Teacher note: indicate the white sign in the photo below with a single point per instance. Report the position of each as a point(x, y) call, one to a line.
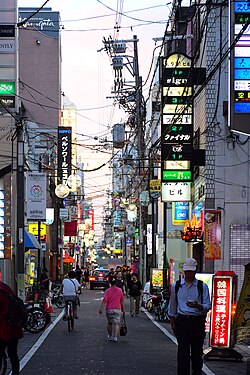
point(36, 196)
point(176, 191)
point(50, 216)
point(64, 214)
point(149, 239)
point(7, 45)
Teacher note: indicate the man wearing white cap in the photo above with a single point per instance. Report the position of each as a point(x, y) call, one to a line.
point(188, 306)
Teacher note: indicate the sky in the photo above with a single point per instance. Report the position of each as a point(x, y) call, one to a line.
point(87, 74)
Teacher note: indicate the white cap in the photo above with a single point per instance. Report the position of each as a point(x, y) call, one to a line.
point(190, 264)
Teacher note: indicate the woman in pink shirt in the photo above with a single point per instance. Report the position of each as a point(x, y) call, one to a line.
point(113, 298)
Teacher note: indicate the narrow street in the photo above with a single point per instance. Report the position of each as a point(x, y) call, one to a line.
point(147, 349)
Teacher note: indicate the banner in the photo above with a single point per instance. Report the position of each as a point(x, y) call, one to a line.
point(241, 322)
point(36, 196)
point(212, 234)
point(70, 228)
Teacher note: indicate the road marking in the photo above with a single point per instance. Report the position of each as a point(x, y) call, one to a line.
point(39, 342)
point(205, 369)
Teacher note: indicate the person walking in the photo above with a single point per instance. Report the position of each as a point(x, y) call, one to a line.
point(9, 335)
point(134, 292)
point(188, 307)
point(70, 287)
point(114, 301)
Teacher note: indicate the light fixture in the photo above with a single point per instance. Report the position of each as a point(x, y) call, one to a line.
point(192, 231)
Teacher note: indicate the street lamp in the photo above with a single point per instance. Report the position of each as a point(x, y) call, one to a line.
point(72, 184)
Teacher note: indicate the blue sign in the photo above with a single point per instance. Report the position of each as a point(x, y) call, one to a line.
point(242, 62)
point(242, 107)
point(180, 211)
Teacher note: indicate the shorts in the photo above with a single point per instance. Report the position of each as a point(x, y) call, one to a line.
point(113, 315)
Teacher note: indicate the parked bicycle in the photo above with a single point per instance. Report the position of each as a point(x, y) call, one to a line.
point(57, 296)
point(37, 319)
point(157, 305)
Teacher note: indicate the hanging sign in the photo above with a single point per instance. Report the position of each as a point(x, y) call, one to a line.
point(36, 196)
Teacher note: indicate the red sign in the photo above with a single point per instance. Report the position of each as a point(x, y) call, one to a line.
point(70, 228)
point(221, 311)
point(212, 234)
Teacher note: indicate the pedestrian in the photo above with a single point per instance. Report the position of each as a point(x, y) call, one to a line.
point(114, 301)
point(9, 335)
point(86, 276)
point(70, 288)
point(120, 282)
point(188, 307)
point(44, 282)
point(78, 272)
point(134, 291)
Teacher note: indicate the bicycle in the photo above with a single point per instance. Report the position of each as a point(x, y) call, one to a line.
point(37, 319)
point(70, 317)
point(152, 304)
point(163, 307)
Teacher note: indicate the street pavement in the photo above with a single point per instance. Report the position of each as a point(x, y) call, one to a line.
point(149, 348)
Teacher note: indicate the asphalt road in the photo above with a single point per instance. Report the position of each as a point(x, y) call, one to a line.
point(148, 349)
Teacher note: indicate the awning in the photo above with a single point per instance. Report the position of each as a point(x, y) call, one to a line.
point(30, 241)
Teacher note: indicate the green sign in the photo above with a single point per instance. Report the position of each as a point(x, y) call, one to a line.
point(172, 175)
point(7, 88)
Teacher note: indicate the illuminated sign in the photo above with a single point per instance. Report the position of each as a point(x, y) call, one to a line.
point(169, 175)
point(180, 212)
point(7, 101)
point(64, 153)
point(176, 191)
point(177, 117)
point(239, 81)
point(2, 223)
point(7, 88)
point(221, 311)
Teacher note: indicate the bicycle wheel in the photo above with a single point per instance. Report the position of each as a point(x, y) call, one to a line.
point(3, 365)
point(37, 320)
point(149, 305)
point(70, 318)
point(59, 302)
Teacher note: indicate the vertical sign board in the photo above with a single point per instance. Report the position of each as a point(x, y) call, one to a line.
point(64, 153)
point(239, 81)
point(176, 117)
point(36, 196)
point(212, 234)
point(221, 311)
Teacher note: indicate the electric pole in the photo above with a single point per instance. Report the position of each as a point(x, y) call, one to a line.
point(20, 246)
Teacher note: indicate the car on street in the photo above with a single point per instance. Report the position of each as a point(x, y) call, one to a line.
point(99, 279)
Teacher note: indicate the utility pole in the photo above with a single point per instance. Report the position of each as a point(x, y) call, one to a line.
point(141, 149)
point(20, 246)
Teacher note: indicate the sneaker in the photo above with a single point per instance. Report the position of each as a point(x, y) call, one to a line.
point(132, 314)
point(64, 317)
point(76, 317)
point(110, 338)
point(115, 339)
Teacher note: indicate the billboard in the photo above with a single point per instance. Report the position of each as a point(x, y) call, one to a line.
point(64, 153)
point(36, 196)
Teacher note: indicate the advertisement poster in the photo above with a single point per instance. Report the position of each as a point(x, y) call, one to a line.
point(157, 278)
point(241, 321)
point(212, 234)
point(36, 196)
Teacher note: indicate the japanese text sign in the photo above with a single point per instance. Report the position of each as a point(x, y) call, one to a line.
point(221, 311)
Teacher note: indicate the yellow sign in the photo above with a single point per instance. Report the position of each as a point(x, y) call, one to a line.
point(155, 186)
point(33, 228)
point(118, 251)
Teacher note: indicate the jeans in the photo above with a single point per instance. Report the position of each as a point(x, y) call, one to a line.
point(190, 334)
point(11, 346)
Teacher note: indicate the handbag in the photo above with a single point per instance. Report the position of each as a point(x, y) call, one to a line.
point(123, 326)
point(77, 297)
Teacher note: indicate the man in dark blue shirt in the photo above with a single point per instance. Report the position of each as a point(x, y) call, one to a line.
point(187, 309)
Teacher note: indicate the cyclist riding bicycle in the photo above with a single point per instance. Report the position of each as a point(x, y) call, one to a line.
point(70, 287)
